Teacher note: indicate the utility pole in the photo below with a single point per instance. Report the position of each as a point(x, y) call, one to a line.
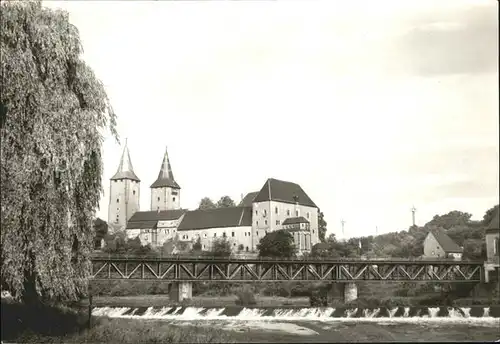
point(342, 222)
point(413, 210)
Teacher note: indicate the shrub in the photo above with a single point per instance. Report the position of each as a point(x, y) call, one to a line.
point(245, 297)
point(18, 318)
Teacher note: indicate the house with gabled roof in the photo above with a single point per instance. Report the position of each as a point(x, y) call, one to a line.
point(277, 205)
point(493, 240)
point(438, 244)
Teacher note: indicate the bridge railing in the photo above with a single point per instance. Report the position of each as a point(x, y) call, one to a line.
point(158, 256)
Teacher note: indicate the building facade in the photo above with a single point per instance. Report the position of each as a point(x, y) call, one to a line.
point(277, 205)
point(438, 244)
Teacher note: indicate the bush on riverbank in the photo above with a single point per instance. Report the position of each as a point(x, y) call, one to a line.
point(18, 319)
point(245, 297)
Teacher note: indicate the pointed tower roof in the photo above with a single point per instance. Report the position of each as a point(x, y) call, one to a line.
point(165, 177)
point(125, 168)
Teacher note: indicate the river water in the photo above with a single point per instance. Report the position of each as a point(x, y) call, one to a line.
point(328, 324)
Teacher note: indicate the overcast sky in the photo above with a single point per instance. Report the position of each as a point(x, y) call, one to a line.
point(371, 106)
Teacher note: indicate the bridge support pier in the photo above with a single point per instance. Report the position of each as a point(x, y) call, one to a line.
point(350, 292)
point(181, 291)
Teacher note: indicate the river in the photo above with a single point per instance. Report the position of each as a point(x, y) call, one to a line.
point(289, 325)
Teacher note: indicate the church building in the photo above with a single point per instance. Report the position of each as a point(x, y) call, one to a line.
point(277, 205)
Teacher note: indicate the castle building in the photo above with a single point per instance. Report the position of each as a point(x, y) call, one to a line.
point(277, 205)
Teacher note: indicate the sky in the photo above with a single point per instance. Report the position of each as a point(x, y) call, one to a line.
point(371, 106)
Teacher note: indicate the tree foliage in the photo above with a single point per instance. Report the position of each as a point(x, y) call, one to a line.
point(490, 215)
point(206, 203)
point(118, 243)
point(321, 226)
point(409, 244)
point(277, 244)
point(51, 159)
point(100, 231)
point(221, 248)
point(225, 202)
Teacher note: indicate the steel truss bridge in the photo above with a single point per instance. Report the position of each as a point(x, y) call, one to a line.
point(198, 269)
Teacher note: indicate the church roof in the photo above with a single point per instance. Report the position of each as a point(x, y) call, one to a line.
point(166, 176)
point(248, 199)
point(282, 191)
point(295, 220)
point(447, 243)
point(216, 218)
point(149, 219)
point(125, 168)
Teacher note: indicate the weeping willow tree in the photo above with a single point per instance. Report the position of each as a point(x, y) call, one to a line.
point(51, 161)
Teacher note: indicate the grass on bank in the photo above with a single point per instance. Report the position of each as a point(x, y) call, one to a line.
point(51, 324)
point(128, 331)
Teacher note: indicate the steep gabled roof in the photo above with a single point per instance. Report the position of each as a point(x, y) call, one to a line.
point(216, 218)
point(495, 221)
point(282, 191)
point(163, 215)
point(295, 220)
point(166, 176)
point(125, 168)
point(248, 199)
point(447, 243)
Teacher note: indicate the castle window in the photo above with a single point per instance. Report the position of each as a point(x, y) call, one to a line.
point(256, 212)
point(296, 213)
point(313, 231)
point(158, 199)
point(276, 210)
point(288, 212)
point(257, 223)
point(307, 214)
point(173, 199)
point(224, 234)
point(265, 212)
point(265, 222)
point(215, 235)
point(245, 233)
point(133, 192)
point(246, 248)
point(277, 222)
point(203, 246)
point(117, 200)
point(234, 244)
point(204, 235)
point(232, 234)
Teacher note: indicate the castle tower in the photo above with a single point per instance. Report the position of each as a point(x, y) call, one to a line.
point(124, 192)
point(165, 192)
